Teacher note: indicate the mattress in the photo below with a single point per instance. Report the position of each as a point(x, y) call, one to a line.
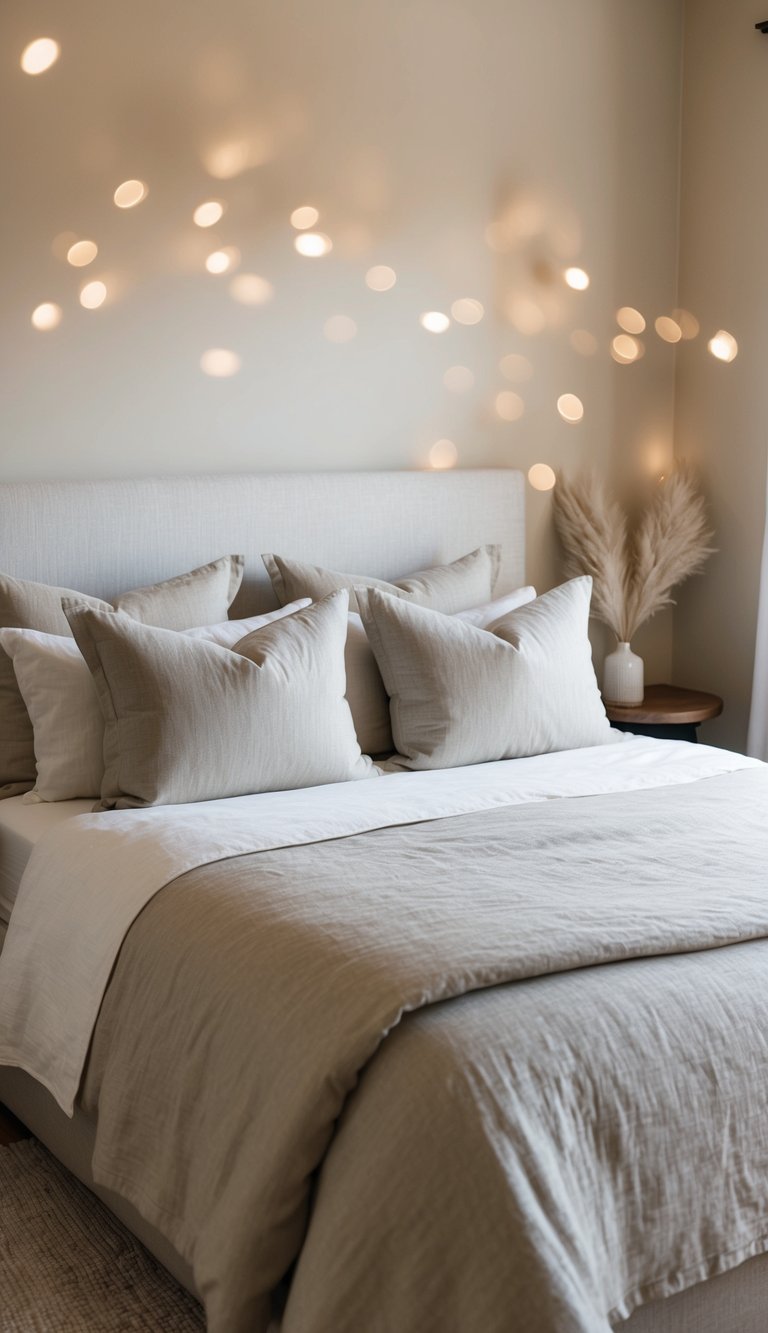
point(21, 826)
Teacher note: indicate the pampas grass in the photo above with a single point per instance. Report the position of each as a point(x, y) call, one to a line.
point(633, 571)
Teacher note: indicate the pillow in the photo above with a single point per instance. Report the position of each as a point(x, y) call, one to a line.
point(367, 697)
point(460, 695)
point(60, 697)
point(449, 588)
point(201, 597)
point(191, 721)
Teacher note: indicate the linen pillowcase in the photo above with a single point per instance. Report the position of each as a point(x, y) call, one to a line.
point(58, 691)
point(191, 721)
point(367, 696)
point(200, 597)
point(460, 695)
point(449, 588)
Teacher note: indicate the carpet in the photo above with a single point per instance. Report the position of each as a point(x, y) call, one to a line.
point(68, 1266)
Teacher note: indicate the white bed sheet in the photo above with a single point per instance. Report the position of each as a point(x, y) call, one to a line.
point(87, 882)
point(21, 828)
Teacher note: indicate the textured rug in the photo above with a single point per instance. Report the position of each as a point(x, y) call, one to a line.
point(68, 1266)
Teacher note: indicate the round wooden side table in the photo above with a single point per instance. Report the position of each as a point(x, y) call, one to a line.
point(667, 711)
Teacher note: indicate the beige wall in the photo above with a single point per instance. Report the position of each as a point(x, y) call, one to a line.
point(412, 127)
point(722, 410)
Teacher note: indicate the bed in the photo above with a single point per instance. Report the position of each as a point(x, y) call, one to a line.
point(395, 1110)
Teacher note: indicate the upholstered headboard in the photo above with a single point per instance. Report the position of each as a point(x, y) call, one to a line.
point(102, 537)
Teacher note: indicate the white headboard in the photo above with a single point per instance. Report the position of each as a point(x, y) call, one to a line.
point(102, 537)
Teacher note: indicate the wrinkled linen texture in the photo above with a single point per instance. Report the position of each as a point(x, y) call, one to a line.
point(502, 1133)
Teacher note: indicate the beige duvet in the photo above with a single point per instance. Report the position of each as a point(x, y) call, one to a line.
point(506, 1071)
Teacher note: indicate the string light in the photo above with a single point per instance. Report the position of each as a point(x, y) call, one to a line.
point(629, 319)
point(92, 295)
point(723, 346)
point(625, 349)
point(208, 214)
point(220, 363)
point(250, 289)
point(509, 405)
point(130, 193)
point(668, 329)
point(82, 253)
point(380, 278)
point(313, 244)
point(443, 454)
point(305, 217)
point(46, 316)
point(40, 55)
point(541, 477)
point(434, 321)
point(577, 279)
point(221, 261)
point(467, 311)
point(570, 407)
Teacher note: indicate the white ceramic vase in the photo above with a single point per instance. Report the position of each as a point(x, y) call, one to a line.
point(623, 676)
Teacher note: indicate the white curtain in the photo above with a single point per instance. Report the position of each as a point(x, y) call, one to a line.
point(757, 739)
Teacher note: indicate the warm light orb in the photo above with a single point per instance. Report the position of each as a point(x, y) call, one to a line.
point(516, 368)
point(250, 289)
point(629, 319)
point(526, 315)
point(40, 55)
point(541, 477)
point(225, 160)
point(467, 311)
point(92, 295)
point(208, 214)
point(577, 279)
point(570, 407)
point(82, 253)
point(221, 261)
point(305, 217)
point(583, 342)
point(46, 316)
point(668, 329)
point(339, 329)
point(509, 405)
point(313, 244)
point(625, 349)
point(689, 325)
point(220, 363)
point(723, 346)
point(380, 278)
point(443, 454)
point(459, 379)
point(434, 321)
point(130, 193)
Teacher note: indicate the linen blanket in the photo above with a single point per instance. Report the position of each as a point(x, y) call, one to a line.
point(520, 1058)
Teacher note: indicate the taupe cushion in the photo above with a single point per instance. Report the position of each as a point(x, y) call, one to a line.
point(462, 695)
point(449, 588)
point(201, 597)
point(187, 720)
point(466, 583)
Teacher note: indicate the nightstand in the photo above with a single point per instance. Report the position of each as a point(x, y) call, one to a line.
point(667, 712)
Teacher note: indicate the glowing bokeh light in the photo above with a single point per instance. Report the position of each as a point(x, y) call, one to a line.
point(380, 278)
point(434, 321)
point(220, 363)
point(82, 253)
point(467, 311)
point(223, 261)
point(443, 454)
point(313, 244)
point(630, 320)
point(208, 213)
point(40, 55)
point(570, 407)
point(228, 159)
point(541, 477)
point(689, 325)
point(516, 368)
point(583, 342)
point(93, 294)
point(509, 405)
point(526, 315)
point(46, 316)
point(625, 349)
point(668, 329)
point(339, 329)
point(577, 279)
point(305, 217)
point(130, 193)
point(459, 379)
point(723, 346)
point(250, 289)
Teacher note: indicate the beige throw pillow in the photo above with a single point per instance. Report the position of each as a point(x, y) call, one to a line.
point(187, 720)
point(201, 597)
point(461, 695)
point(449, 588)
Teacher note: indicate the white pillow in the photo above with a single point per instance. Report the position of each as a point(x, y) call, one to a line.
point(67, 721)
point(366, 695)
point(460, 695)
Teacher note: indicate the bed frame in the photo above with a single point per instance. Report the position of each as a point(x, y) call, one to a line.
point(103, 537)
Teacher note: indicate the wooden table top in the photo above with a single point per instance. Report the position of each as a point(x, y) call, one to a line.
point(668, 704)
